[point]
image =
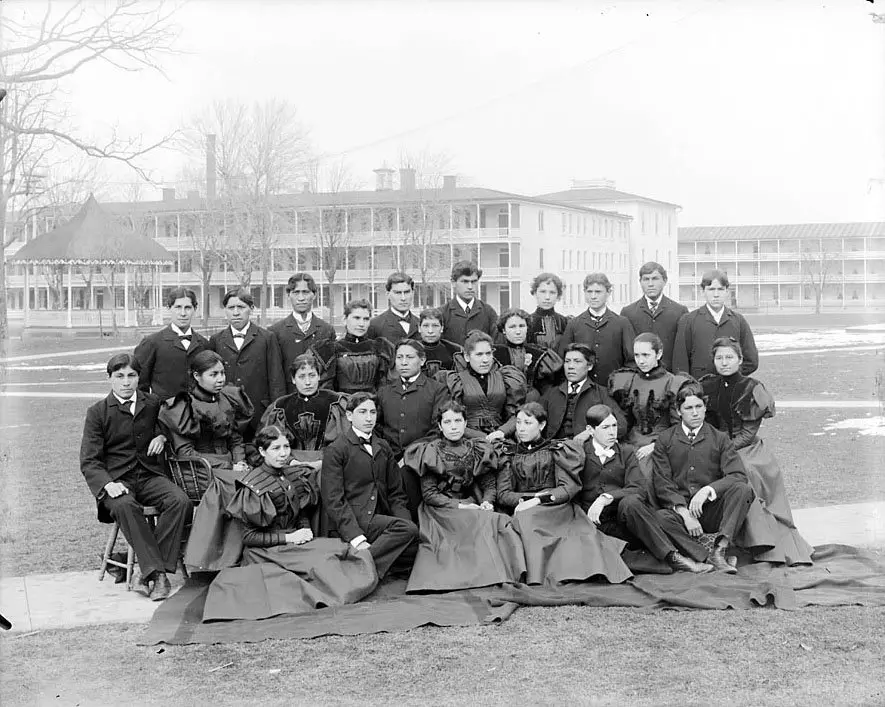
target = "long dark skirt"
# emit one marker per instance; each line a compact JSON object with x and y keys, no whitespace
{"x":291,"y":579}
{"x":562,"y":545}
{"x":769,"y":532}
{"x":216,"y":539}
{"x":464,"y":549}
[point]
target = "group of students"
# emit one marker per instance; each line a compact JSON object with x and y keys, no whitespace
{"x":457,"y":448}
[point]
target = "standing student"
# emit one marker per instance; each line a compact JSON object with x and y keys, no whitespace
{"x":120,"y":460}
{"x":546,"y":325}
{"x":693,"y":352}
{"x":164,"y":356}
{"x":251,"y":355}
{"x":301,"y":330}
{"x":654,"y":312}
{"x":609,"y":335}
{"x":397,"y":321}
{"x":363,"y":495}
{"x":465,"y":312}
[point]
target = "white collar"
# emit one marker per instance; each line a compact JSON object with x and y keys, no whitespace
{"x":305,"y":319}
{"x":189,"y":332}
{"x":126,"y":402}
{"x":601,"y":451}
{"x":366,"y":438}
{"x":234,"y":332}
{"x":580,"y":384}
{"x":716,"y":315}
{"x":687,"y":430}
{"x":412,"y":379}
{"x":657,"y":301}
{"x":599,"y":313}
{"x":465,"y":305}
{"x":405,"y":316}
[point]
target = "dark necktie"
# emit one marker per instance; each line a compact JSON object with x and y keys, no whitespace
{"x":467,"y":310}
{"x":574,"y":388}
{"x":691,"y":435}
{"x":405,"y":383}
{"x":185,"y":337}
{"x":239,"y":336}
{"x":130,"y":406}
{"x":239,"y":340}
{"x":653,"y":307}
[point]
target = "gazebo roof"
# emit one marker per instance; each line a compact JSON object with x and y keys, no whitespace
{"x":92,"y":237}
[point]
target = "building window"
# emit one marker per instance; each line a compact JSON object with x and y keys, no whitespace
{"x":564,"y":222}
{"x":563,"y":260}
{"x":541,"y":221}
{"x":541,"y":258}
{"x":504,"y":257}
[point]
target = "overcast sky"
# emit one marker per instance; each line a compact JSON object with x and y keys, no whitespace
{"x":750,"y":112}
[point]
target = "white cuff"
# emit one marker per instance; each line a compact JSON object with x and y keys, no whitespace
{"x":358,"y":540}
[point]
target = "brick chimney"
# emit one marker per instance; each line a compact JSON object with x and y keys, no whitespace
{"x":211,"y":168}
{"x":407,"y":179}
{"x":383,"y":179}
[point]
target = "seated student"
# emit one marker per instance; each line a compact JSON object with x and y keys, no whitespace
{"x":613,"y":493}
{"x":208,"y":421}
{"x":489,"y":392}
{"x":541,"y":367}
{"x":120,"y":459}
{"x":354,"y":364}
{"x":440,"y":352}
{"x":408,"y":407}
{"x":363,"y":495}
{"x":537,"y":480}
{"x":699,"y":482}
{"x":312,"y":417}
{"x":273,"y":504}
{"x":567,"y":404}
{"x":464,"y":543}
{"x":737,"y":406}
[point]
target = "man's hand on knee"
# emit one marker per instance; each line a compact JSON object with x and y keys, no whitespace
{"x":115,"y":489}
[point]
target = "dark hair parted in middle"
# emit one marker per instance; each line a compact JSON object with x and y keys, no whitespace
{"x":533,"y":409}
{"x":430,"y":314}
{"x":509,"y":314}
{"x":415,"y":345}
{"x":242,"y":294}
{"x":688,"y":389}
{"x":597,"y":414}
{"x":554,"y":280}
{"x":727,"y":342}
{"x":357,"y":304}
{"x":585,"y":351}
{"x":358,"y":399}
{"x":305,"y":360}
{"x":451,"y":406}
{"x":268,"y":435}
{"x":396,"y":278}
{"x":203,"y":361}
{"x":122,"y":360}
{"x":648,"y":337}
{"x":649,"y":268}
{"x":719,"y":275}
{"x":304,"y":277}
{"x":476,"y":337}
{"x":178,"y":293}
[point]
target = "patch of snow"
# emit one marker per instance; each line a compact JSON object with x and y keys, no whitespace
{"x":80,"y":367}
{"x":818,"y":338}
{"x":871,"y":426}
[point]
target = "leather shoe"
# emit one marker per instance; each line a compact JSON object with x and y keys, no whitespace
{"x":139,"y":583}
{"x":717,"y":559}
{"x":681,"y":563}
{"x":162,"y":587}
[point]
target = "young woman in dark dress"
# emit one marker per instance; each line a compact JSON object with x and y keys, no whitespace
{"x":537,"y":481}
{"x":737,"y":405}
{"x":546,"y":325}
{"x":489,"y":392}
{"x":464,"y":542}
{"x":284,"y":569}
{"x":541,"y":367}
{"x":354,"y":364}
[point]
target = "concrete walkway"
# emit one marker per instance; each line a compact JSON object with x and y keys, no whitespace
{"x":71,"y":599}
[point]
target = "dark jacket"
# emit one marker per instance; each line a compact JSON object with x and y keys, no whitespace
{"x":456,"y":324}
{"x":555,"y":402}
{"x":257,"y":367}
{"x":293,"y":342}
{"x":696,"y":333}
{"x":407,"y":414}
{"x":682,"y":469}
{"x":114,"y":444}
{"x":387,"y":324}
{"x":663,"y":323}
{"x":620,"y":475}
{"x":164,"y":362}
{"x":612,"y":341}
{"x":355,"y":486}
{"x":537,"y":336}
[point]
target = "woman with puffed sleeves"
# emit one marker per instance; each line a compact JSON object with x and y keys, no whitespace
{"x":537,"y":481}
{"x":541,"y":367}
{"x":464,"y":543}
{"x":737,"y":405}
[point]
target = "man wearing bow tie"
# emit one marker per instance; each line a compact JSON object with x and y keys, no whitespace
{"x":699,"y":482}
{"x":398,"y":321}
{"x":120,"y":459}
{"x":654,"y":312}
{"x":164,"y":356}
{"x":251,"y":355}
{"x":614,"y":493}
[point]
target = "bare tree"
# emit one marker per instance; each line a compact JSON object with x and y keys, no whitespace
{"x":39,"y":51}
{"x":820,"y":267}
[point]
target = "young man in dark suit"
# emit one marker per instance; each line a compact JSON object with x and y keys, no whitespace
{"x":654,"y":312}
{"x":693,"y":351}
{"x":165,"y":355}
{"x":120,"y":459}
{"x":408,"y":407}
{"x":465,"y":312}
{"x":567,"y":404}
{"x":609,"y":335}
{"x":251,"y":355}
{"x":398,"y":321}
{"x":302,"y":329}
{"x":363,"y":495}
{"x":699,"y":482}
{"x":614,"y":493}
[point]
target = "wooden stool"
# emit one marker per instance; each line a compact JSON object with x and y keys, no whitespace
{"x":151,"y":513}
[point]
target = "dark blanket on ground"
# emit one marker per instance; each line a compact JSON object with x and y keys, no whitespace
{"x":841,"y":576}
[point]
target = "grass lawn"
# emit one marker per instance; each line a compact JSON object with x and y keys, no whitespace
{"x":835,"y":375}
{"x":562,"y":655}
